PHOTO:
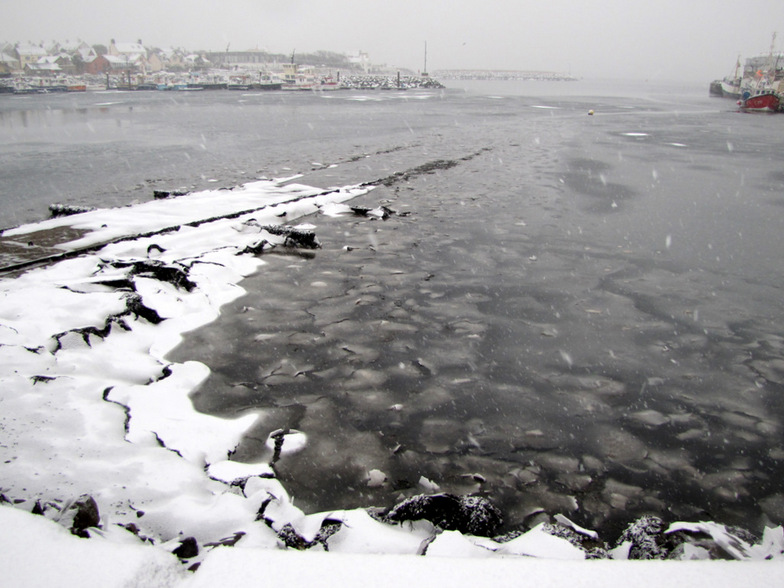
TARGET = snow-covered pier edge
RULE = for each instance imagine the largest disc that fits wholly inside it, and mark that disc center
(91, 407)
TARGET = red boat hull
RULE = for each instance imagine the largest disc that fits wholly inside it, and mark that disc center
(761, 103)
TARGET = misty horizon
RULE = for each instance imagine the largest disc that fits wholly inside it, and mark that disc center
(663, 40)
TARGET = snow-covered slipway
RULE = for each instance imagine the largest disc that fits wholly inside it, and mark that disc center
(98, 434)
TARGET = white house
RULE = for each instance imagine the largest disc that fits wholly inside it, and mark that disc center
(29, 54)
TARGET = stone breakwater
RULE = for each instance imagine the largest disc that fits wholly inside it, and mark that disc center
(505, 75)
(37, 85)
(390, 83)
(429, 519)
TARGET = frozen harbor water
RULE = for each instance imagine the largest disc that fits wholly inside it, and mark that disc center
(571, 313)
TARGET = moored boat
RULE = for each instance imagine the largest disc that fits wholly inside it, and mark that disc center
(762, 102)
(731, 88)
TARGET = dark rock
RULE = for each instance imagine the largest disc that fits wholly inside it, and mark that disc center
(474, 515)
(57, 210)
(227, 541)
(155, 247)
(293, 540)
(162, 194)
(257, 248)
(188, 548)
(646, 535)
(80, 515)
(177, 275)
(328, 528)
(294, 237)
(262, 509)
(135, 306)
(42, 379)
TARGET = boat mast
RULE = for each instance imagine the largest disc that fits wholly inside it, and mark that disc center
(770, 74)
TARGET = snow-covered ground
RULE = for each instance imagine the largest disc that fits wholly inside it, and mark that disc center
(89, 405)
(37, 552)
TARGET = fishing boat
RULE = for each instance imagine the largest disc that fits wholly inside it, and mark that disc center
(731, 87)
(762, 102)
(765, 91)
(293, 79)
(327, 83)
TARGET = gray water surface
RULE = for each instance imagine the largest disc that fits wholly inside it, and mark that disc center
(571, 313)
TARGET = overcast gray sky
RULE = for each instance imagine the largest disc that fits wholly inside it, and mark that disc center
(644, 39)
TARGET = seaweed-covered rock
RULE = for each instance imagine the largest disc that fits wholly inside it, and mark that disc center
(645, 539)
(176, 275)
(293, 540)
(474, 515)
(295, 238)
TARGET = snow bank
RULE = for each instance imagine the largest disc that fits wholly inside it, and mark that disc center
(228, 566)
(38, 552)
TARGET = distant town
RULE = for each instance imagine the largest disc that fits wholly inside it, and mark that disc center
(79, 66)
